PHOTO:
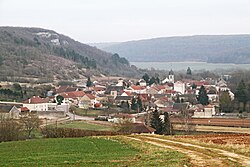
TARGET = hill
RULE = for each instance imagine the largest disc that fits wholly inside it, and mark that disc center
(205, 48)
(45, 54)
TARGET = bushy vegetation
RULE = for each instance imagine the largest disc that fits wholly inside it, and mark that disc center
(15, 92)
(11, 130)
(54, 132)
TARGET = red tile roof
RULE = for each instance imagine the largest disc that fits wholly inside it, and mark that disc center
(135, 87)
(90, 96)
(73, 95)
(23, 109)
(36, 99)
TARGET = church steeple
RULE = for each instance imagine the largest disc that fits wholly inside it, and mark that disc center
(171, 76)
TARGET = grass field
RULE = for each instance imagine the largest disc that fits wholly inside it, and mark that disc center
(101, 151)
(65, 152)
(87, 112)
(86, 126)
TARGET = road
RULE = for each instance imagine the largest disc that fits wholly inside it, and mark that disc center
(199, 155)
(77, 117)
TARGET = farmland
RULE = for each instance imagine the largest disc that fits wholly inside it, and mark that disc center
(203, 152)
(87, 125)
(102, 151)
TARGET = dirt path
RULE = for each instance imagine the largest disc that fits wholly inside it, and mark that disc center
(199, 155)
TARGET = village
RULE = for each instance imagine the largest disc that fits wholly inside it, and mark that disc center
(122, 99)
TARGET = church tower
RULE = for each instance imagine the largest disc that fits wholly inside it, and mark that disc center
(171, 76)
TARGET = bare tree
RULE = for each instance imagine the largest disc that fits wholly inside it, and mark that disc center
(30, 122)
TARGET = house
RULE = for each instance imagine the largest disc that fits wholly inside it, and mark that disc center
(63, 89)
(122, 118)
(207, 112)
(9, 111)
(39, 104)
(120, 82)
(142, 82)
(212, 94)
(191, 98)
(179, 107)
(72, 97)
(100, 90)
(152, 91)
(88, 101)
(121, 99)
(114, 90)
(136, 89)
(180, 87)
(162, 102)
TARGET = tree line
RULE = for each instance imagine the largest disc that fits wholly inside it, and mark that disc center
(74, 56)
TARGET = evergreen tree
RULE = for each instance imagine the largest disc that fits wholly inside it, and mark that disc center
(59, 99)
(157, 80)
(225, 101)
(146, 78)
(202, 97)
(241, 94)
(194, 86)
(189, 72)
(89, 83)
(178, 99)
(167, 128)
(139, 103)
(133, 104)
(156, 122)
(152, 81)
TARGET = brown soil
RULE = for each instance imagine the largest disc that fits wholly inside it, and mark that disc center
(221, 138)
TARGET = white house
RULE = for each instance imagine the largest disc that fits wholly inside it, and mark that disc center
(208, 112)
(179, 87)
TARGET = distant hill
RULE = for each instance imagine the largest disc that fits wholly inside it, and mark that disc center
(206, 48)
(45, 54)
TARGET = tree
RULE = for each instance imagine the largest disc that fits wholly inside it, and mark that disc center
(146, 77)
(17, 87)
(9, 129)
(178, 99)
(133, 104)
(31, 122)
(241, 94)
(139, 103)
(59, 99)
(152, 81)
(124, 125)
(89, 83)
(189, 72)
(156, 122)
(225, 101)
(193, 86)
(167, 127)
(202, 97)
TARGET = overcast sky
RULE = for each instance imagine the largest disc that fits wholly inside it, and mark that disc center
(123, 20)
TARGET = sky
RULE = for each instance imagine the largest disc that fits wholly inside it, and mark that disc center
(90, 21)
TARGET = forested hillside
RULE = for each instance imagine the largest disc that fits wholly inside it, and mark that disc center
(46, 55)
(205, 48)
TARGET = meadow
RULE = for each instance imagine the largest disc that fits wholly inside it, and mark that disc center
(87, 151)
(86, 126)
